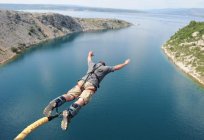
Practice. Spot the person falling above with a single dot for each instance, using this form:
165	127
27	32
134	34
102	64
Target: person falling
83	91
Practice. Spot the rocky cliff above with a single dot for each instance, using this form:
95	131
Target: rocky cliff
186	49
21	30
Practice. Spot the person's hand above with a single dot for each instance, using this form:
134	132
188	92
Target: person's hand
127	61
91	53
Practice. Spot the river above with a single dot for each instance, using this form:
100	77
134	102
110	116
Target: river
150	99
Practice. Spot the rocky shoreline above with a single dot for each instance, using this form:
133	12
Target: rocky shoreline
186	49
22	30
188	70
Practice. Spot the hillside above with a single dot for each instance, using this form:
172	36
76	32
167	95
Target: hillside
184	12
21	30
186	49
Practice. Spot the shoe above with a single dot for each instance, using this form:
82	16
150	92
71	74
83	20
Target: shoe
65	120
48	110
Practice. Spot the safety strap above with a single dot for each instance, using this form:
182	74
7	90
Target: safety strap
92	72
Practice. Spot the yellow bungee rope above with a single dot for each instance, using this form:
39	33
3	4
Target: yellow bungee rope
33	126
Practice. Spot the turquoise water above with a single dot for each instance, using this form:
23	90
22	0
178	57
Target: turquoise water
150	99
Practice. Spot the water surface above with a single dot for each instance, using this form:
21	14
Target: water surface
150	99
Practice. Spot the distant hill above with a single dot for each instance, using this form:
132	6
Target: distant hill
62	7
186	49
198	12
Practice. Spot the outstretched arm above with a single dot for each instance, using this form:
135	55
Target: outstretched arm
90	55
120	66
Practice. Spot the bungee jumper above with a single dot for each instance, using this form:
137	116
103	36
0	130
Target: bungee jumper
83	91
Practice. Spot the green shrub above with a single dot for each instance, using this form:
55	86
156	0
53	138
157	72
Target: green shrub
39	29
32	29
15	50
177	54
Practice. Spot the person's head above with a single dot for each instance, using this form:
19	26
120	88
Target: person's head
103	63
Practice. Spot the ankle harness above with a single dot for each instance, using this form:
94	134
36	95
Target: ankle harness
74	109
59	101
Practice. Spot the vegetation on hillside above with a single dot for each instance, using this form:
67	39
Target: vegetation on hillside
185	34
187	45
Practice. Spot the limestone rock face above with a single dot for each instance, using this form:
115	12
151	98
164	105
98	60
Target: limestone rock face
21	30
